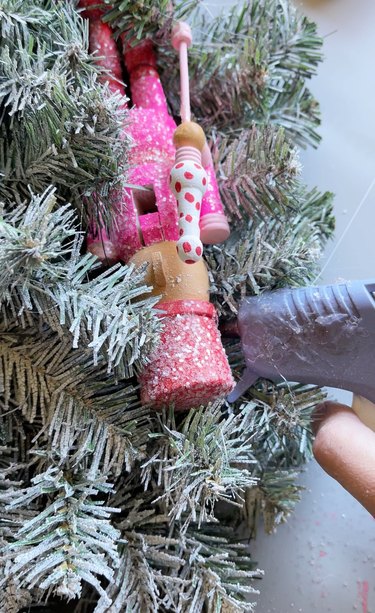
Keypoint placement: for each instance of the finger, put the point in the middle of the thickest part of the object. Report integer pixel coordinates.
(325, 410)
(345, 448)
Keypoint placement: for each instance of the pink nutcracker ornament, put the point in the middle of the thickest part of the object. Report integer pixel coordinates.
(149, 215)
(189, 366)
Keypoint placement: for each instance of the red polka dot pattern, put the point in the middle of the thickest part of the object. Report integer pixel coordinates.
(188, 187)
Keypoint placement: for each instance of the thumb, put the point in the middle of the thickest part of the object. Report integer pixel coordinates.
(345, 448)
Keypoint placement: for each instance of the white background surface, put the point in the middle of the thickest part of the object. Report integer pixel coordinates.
(324, 558)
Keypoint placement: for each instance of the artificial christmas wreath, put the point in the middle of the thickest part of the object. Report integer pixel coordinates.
(105, 501)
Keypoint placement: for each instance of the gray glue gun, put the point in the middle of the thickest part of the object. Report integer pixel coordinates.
(321, 335)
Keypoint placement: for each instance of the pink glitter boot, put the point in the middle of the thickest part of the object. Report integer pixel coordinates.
(189, 367)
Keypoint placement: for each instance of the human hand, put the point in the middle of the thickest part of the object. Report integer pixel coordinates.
(345, 448)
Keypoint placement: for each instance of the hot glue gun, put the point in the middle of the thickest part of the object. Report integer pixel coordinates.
(320, 335)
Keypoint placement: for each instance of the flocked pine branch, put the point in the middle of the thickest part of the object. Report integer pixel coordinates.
(206, 459)
(259, 177)
(21, 19)
(263, 256)
(12, 474)
(279, 417)
(257, 173)
(138, 19)
(81, 409)
(16, 436)
(274, 499)
(41, 270)
(318, 209)
(164, 568)
(281, 421)
(277, 420)
(61, 125)
(76, 148)
(70, 541)
(85, 431)
(12, 597)
(281, 227)
(250, 65)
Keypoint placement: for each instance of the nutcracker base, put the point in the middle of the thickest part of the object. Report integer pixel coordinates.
(189, 368)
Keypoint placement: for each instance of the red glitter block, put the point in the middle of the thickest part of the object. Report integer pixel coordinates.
(189, 367)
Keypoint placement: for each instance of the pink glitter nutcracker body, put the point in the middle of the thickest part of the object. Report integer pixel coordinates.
(148, 216)
(144, 216)
(189, 366)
